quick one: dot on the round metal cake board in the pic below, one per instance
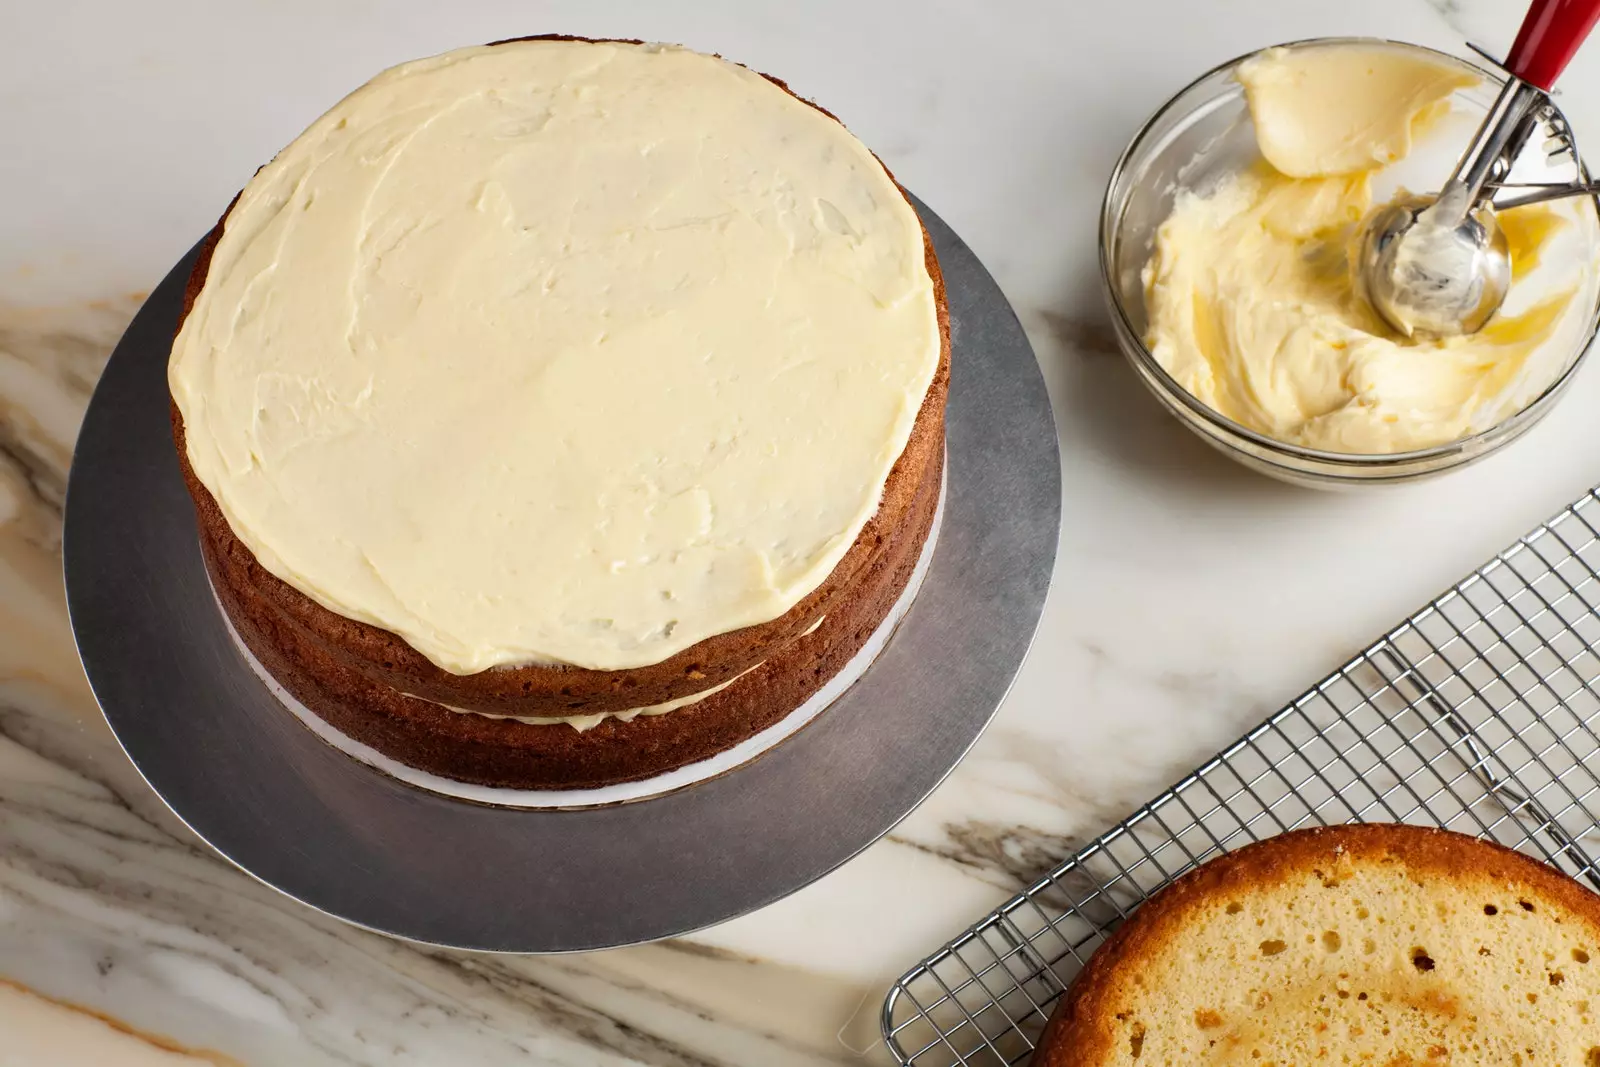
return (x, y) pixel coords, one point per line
(263, 790)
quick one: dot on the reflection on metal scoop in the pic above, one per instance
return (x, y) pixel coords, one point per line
(1426, 273)
(1439, 266)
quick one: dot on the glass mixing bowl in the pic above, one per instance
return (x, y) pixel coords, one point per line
(1204, 133)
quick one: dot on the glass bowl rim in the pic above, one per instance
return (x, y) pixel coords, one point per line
(1377, 461)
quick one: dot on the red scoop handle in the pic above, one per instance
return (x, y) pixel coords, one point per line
(1551, 34)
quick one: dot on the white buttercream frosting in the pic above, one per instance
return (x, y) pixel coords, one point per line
(582, 722)
(559, 352)
(1250, 292)
(1344, 108)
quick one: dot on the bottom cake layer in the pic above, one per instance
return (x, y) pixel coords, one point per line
(444, 746)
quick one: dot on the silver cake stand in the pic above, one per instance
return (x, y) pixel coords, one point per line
(348, 840)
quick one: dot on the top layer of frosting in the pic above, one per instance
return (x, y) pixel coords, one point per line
(559, 352)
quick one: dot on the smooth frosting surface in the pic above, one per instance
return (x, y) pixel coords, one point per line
(1336, 109)
(1250, 297)
(559, 352)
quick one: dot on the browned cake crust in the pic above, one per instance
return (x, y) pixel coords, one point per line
(355, 675)
(505, 752)
(1083, 1031)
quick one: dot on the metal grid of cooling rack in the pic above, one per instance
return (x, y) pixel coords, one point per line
(1480, 713)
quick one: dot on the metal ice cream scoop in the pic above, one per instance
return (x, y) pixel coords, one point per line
(1439, 266)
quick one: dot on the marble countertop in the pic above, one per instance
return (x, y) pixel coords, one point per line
(1190, 598)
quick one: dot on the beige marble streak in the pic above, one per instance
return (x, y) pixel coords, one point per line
(49, 361)
(40, 1029)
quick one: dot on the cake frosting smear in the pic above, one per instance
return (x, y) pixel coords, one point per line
(556, 352)
(1250, 294)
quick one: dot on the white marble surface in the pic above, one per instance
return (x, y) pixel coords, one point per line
(1190, 597)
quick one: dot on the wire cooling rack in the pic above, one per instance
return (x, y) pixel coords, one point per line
(1480, 713)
